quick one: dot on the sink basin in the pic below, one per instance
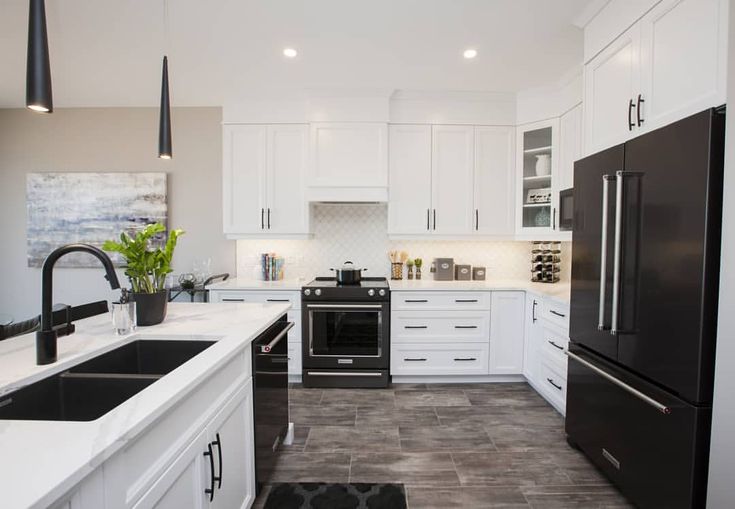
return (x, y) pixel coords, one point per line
(144, 357)
(89, 390)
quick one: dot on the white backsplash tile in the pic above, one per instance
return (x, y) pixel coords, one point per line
(358, 232)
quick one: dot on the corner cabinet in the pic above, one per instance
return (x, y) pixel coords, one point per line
(263, 181)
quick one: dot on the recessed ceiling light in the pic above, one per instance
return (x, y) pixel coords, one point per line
(470, 53)
(290, 52)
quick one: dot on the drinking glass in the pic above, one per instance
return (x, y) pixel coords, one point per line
(124, 320)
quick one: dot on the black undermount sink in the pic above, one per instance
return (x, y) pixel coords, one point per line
(89, 390)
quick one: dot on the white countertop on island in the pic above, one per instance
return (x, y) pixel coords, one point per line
(42, 460)
(557, 291)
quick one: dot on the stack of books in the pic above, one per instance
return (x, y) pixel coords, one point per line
(272, 266)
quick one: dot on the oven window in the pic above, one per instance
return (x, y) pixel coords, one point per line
(346, 333)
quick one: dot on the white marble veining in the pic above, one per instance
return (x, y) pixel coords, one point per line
(42, 460)
(557, 291)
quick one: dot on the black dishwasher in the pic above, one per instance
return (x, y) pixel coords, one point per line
(270, 397)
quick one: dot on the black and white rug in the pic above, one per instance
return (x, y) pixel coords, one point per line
(336, 496)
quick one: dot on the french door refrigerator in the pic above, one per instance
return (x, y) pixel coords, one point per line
(645, 270)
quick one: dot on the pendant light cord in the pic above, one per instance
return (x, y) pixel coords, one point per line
(165, 28)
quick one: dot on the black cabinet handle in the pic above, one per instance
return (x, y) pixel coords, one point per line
(233, 300)
(533, 311)
(269, 218)
(552, 383)
(262, 222)
(477, 219)
(435, 219)
(553, 219)
(278, 300)
(465, 300)
(408, 359)
(415, 327)
(557, 313)
(555, 345)
(465, 359)
(638, 113)
(218, 443)
(428, 219)
(465, 326)
(631, 125)
(210, 491)
(416, 300)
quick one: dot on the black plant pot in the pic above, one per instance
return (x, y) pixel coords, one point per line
(150, 308)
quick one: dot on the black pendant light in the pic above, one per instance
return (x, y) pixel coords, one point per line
(164, 123)
(165, 149)
(38, 68)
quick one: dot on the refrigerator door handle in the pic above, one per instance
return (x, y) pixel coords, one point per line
(617, 247)
(603, 249)
(632, 390)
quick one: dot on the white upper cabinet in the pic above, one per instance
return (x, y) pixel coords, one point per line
(570, 145)
(348, 155)
(264, 171)
(452, 165)
(683, 59)
(494, 181)
(409, 203)
(611, 81)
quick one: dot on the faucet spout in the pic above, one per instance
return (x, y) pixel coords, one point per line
(46, 337)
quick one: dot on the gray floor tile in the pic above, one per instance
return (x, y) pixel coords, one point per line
(444, 438)
(426, 469)
(312, 467)
(575, 497)
(504, 397)
(407, 387)
(379, 417)
(579, 469)
(352, 439)
(301, 396)
(508, 469)
(495, 415)
(517, 437)
(323, 415)
(435, 398)
(465, 498)
(361, 397)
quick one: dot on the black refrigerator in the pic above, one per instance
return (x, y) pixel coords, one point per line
(645, 272)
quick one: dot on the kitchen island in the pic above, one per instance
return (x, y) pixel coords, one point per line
(147, 448)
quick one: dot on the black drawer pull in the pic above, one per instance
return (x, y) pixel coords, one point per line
(408, 359)
(278, 300)
(557, 313)
(415, 327)
(218, 443)
(465, 326)
(416, 300)
(465, 300)
(210, 491)
(233, 300)
(552, 383)
(465, 359)
(555, 345)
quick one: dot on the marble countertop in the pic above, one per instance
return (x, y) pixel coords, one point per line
(557, 291)
(240, 283)
(42, 460)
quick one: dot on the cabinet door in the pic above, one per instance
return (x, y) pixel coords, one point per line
(231, 434)
(570, 145)
(287, 210)
(506, 333)
(409, 201)
(683, 59)
(349, 154)
(244, 178)
(611, 81)
(452, 164)
(494, 180)
(182, 485)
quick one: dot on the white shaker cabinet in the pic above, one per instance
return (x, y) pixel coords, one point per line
(264, 171)
(570, 145)
(507, 332)
(494, 181)
(409, 203)
(452, 165)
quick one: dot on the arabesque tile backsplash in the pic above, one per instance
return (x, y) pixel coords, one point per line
(358, 232)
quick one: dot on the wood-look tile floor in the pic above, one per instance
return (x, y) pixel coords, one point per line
(452, 446)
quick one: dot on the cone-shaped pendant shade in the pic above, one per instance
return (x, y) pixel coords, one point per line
(165, 150)
(38, 67)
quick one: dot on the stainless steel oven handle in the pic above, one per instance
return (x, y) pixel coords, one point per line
(603, 249)
(267, 348)
(344, 306)
(329, 373)
(632, 390)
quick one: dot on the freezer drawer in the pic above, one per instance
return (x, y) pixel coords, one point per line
(657, 459)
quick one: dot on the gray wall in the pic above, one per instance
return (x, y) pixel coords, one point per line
(108, 139)
(721, 489)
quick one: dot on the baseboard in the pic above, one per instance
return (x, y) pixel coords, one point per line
(459, 379)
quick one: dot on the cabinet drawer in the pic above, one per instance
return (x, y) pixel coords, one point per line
(441, 325)
(553, 383)
(556, 313)
(293, 298)
(440, 300)
(553, 347)
(439, 359)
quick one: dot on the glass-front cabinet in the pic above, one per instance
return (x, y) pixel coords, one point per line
(537, 172)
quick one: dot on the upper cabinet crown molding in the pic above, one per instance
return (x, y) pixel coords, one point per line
(613, 19)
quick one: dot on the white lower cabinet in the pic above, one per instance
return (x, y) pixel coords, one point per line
(506, 333)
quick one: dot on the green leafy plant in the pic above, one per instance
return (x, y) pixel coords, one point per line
(147, 266)
(419, 262)
(409, 262)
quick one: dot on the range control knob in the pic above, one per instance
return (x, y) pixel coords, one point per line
(371, 292)
(307, 291)
(317, 292)
(381, 293)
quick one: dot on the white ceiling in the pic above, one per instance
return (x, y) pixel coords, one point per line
(108, 52)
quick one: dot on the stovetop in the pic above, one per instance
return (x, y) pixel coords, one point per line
(326, 288)
(330, 282)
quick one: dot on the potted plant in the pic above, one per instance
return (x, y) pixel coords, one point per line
(147, 267)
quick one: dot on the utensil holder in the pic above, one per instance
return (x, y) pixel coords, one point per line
(396, 271)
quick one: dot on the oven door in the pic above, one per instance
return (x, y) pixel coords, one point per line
(345, 335)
